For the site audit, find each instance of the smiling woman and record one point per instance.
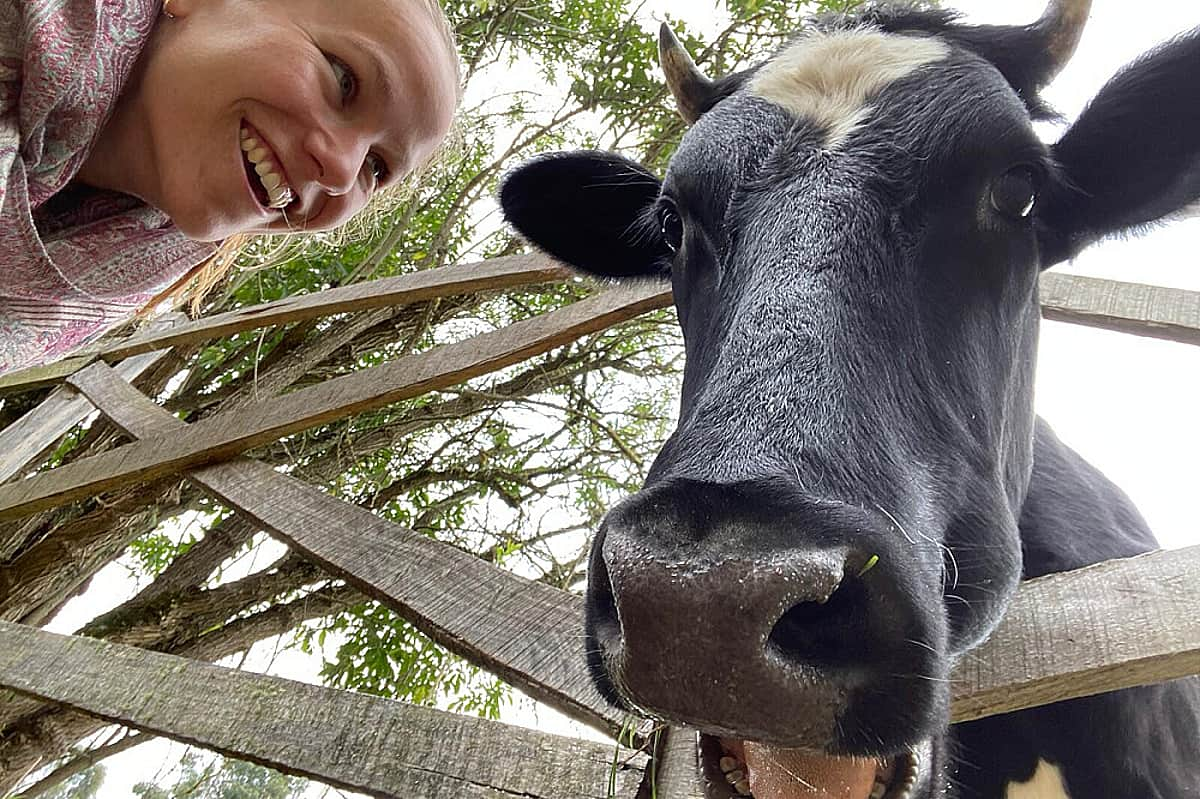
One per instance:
(134, 139)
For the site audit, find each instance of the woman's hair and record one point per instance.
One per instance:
(449, 40)
(194, 286)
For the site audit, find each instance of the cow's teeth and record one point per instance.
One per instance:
(743, 788)
(735, 776)
(729, 764)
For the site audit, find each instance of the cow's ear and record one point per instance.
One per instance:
(592, 210)
(1132, 158)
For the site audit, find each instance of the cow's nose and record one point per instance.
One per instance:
(750, 621)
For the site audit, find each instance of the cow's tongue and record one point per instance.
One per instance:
(791, 774)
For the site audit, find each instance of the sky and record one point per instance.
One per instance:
(1128, 404)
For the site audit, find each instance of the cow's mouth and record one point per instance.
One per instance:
(736, 769)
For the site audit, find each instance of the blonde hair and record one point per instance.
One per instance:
(271, 250)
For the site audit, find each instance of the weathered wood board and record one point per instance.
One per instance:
(348, 740)
(1113, 625)
(1154, 311)
(494, 275)
(223, 436)
(1137, 308)
(25, 442)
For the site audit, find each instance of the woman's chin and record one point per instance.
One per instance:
(206, 226)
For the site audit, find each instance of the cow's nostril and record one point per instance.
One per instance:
(829, 633)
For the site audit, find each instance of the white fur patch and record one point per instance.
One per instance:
(828, 77)
(1047, 783)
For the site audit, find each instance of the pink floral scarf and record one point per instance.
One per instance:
(73, 261)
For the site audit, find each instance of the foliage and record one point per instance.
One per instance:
(155, 551)
(382, 655)
(84, 785)
(223, 779)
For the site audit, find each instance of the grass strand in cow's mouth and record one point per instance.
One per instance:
(627, 740)
(737, 769)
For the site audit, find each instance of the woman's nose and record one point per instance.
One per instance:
(338, 155)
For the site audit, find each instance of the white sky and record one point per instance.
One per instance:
(1128, 404)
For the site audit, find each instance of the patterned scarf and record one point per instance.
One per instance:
(73, 261)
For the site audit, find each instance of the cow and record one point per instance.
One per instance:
(854, 231)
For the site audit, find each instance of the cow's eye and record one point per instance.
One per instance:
(671, 226)
(1015, 192)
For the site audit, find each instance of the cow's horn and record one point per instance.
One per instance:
(1061, 28)
(691, 88)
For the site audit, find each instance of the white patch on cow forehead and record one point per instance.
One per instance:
(1047, 783)
(828, 77)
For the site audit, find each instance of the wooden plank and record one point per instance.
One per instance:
(43, 376)
(525, 632)
(223, 436)
(1152, 311)
(493, 275)
(676, 767)
(1114, 625)
(25, 442)
(351, 741)
(496, 274)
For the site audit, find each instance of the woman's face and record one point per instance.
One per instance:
(331, 99)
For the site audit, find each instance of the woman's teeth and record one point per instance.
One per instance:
(279, 193)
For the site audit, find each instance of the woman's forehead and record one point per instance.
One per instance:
(410, 70)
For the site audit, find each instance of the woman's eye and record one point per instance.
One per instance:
(346, 79)
(379, 168)
(671, 227)
(1015, 192)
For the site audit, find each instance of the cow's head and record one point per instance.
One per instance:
(854, 232)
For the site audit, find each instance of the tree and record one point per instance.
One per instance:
(515, 468)
(83, 785)
(223, 779)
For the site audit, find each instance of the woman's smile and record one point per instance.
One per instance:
(266, 178)
(345, 100)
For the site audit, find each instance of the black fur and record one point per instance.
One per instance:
(609, 185)
(1133, 156)
(857, 477)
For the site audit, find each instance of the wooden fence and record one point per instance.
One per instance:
(1048, 648)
